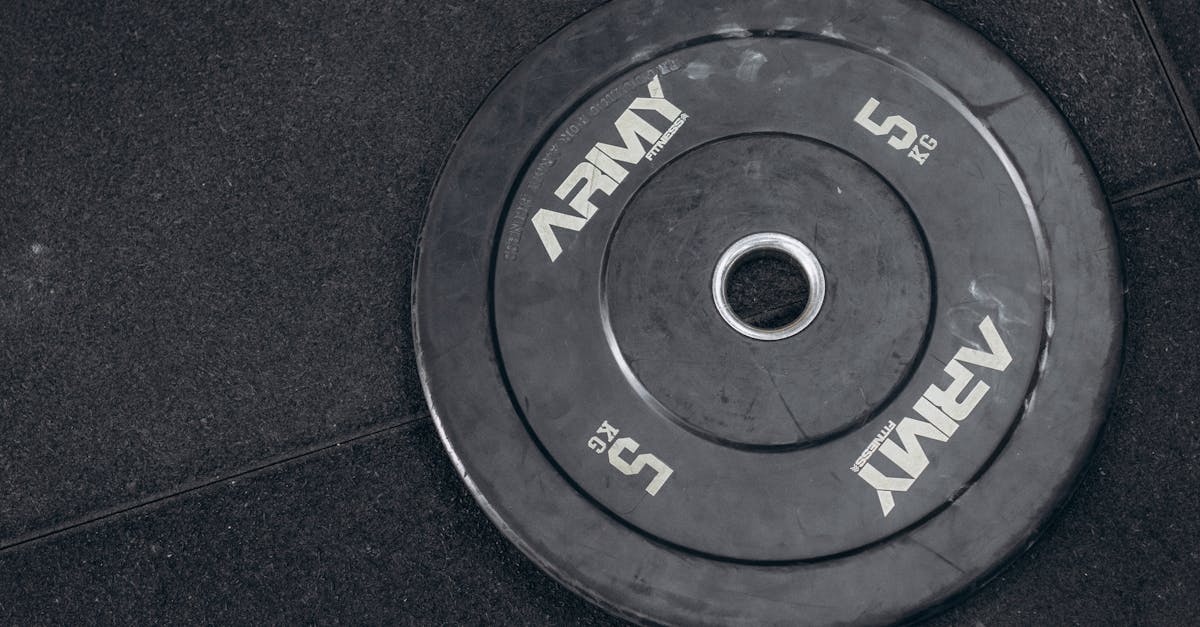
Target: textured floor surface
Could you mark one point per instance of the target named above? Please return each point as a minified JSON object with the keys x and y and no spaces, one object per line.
{"x":209,"y":410}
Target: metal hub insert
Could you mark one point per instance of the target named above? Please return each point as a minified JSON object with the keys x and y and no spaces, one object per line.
{"x":744,"y":249}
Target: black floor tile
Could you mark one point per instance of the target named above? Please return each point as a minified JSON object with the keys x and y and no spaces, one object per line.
{"x":1176,"y":24}
{"x":1096,"y":62}
{"x":207,"y":220}
{"x":377,"y":532}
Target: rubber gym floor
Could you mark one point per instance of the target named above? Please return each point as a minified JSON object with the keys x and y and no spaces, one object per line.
{"x":209,"y":407}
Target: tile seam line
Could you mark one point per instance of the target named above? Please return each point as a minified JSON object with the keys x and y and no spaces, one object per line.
{"x":1166,"y":63}
{"x":103,"y":515}
{"x":1117,"y":199}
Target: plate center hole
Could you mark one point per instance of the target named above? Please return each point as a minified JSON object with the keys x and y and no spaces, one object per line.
{"x":767,"y":289}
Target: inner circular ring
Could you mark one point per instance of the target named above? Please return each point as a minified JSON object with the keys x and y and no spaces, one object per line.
{"x":787,"y":245}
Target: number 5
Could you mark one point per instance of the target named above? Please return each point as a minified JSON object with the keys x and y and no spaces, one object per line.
{"x":641,"y":461}
{"x":891,"y":123}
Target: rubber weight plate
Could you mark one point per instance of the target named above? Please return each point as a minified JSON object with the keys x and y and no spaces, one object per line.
{"x":941,"y":382}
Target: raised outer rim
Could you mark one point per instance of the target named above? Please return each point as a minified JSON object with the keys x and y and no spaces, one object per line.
{"x":991,"y":522}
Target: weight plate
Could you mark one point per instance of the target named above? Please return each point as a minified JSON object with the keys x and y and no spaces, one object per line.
{"x":892,"y":446}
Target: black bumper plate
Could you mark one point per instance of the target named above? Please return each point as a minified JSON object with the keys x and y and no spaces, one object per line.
{"x":868,"y":467}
